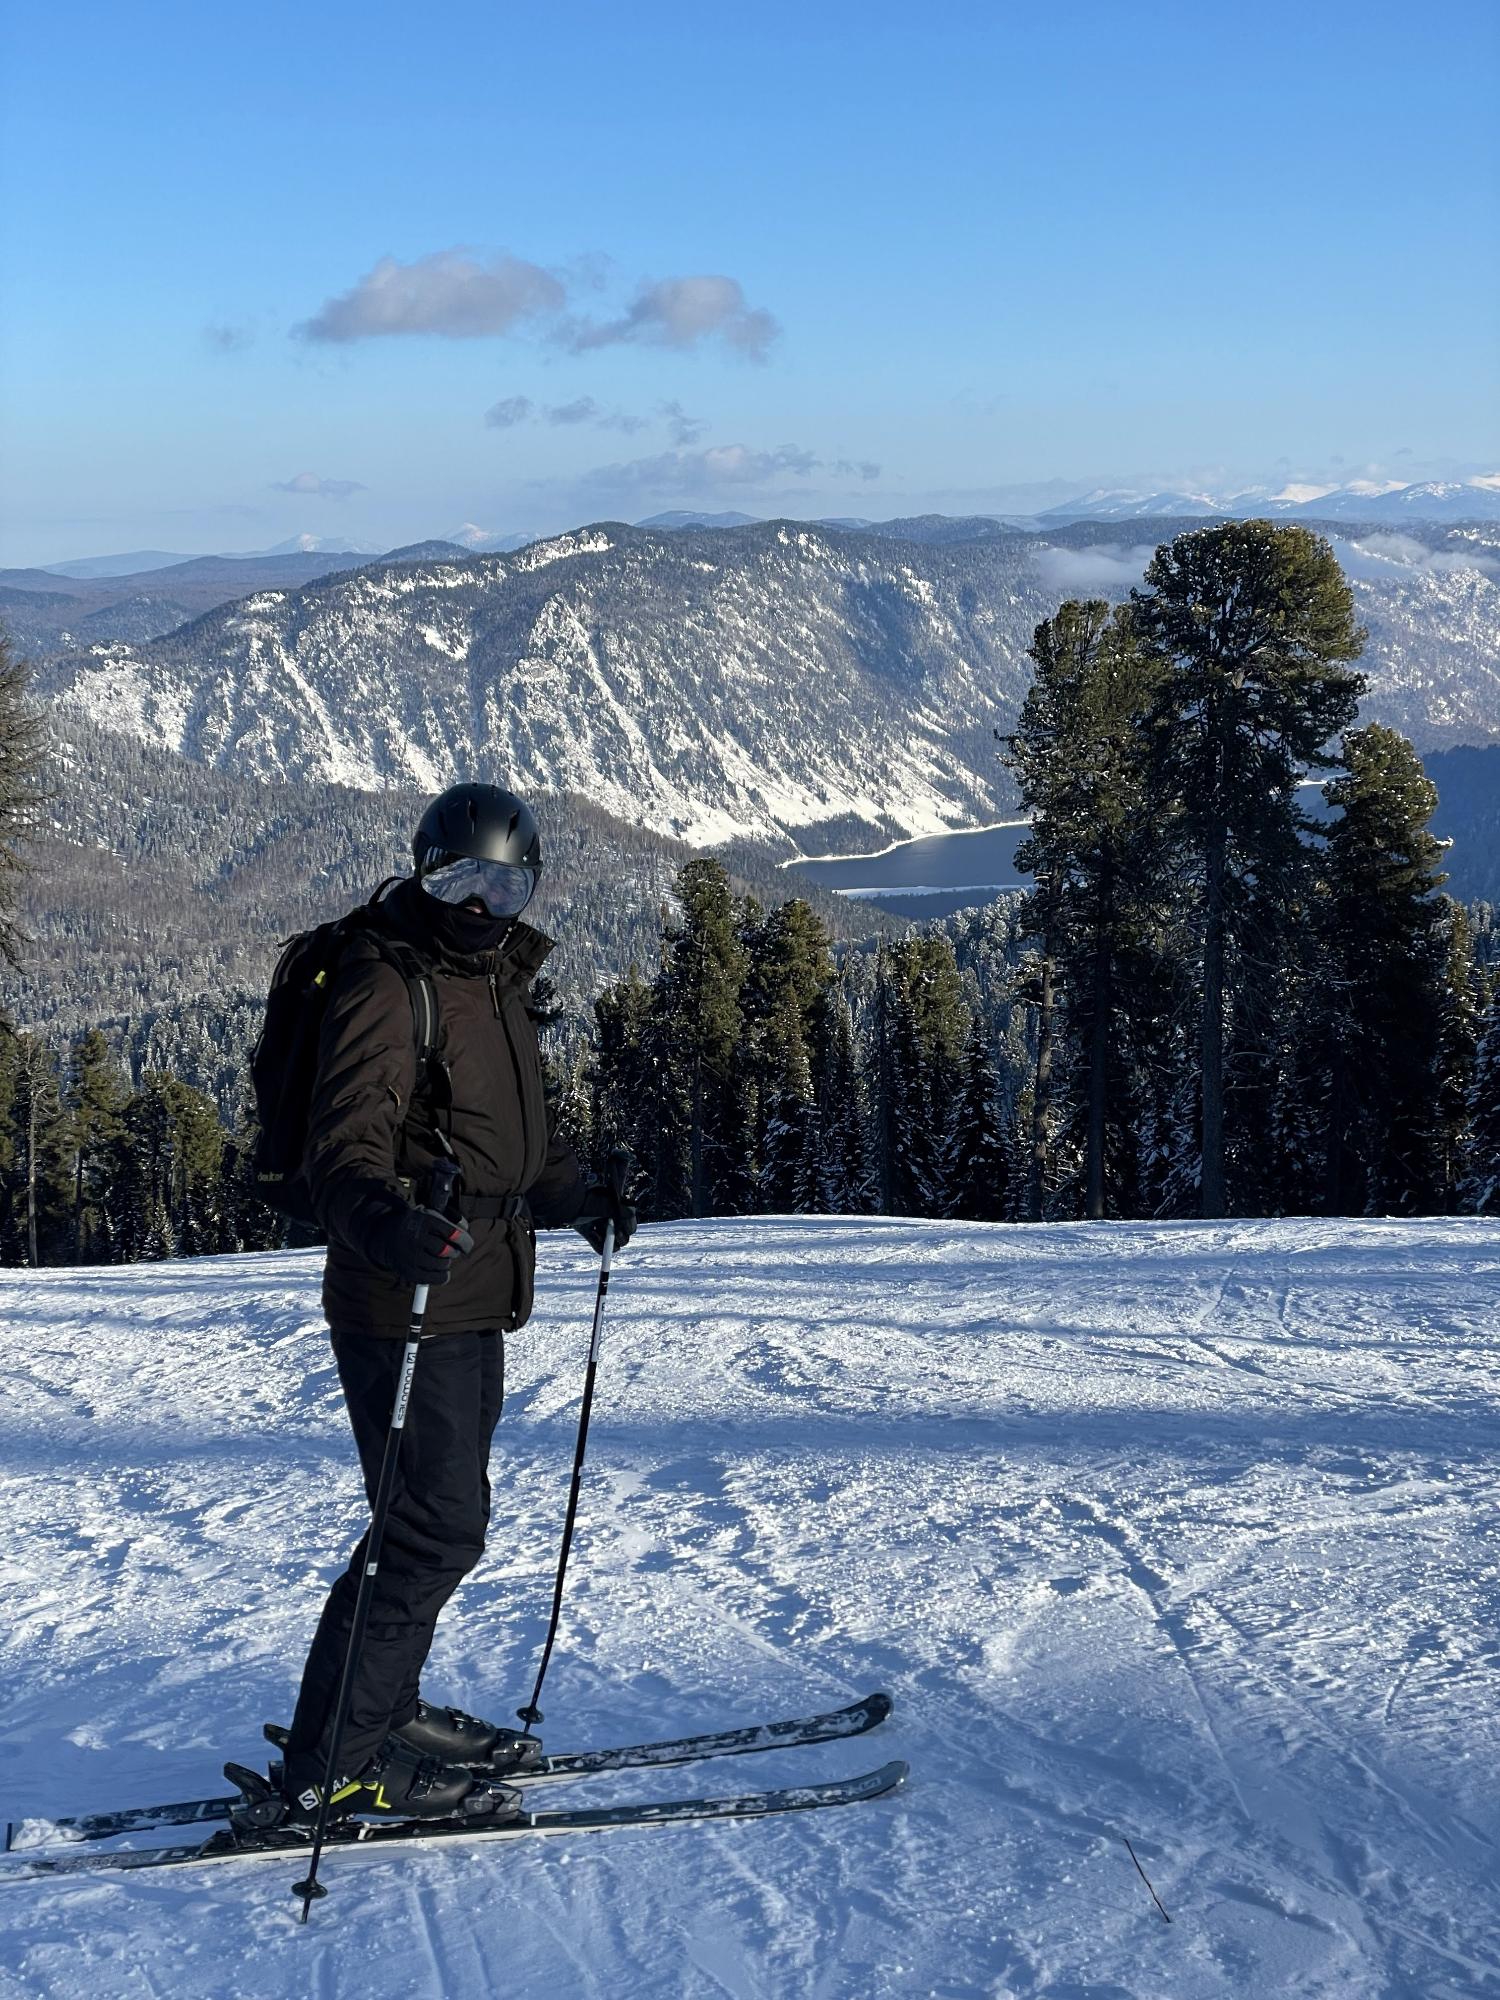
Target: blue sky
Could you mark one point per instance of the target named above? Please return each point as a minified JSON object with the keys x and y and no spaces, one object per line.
{"x":270,"y":269}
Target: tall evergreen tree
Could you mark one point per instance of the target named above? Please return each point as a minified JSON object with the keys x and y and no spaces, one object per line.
{"x":1462,"y":998}
{"x":1080,"y":756}
{"x":36,"y":1200}
{"x":1254,"y":626}
{"x":197,"y":1165}
{"x":11,"y":1232}
{"x":167,"y":1173}
{"x":1386,"y":958}
{"x":622,"y":1110}
{"x":845,"y":1183}
{"x":94,"y":1099}
{"x":926,"y":1032}
{"x":1481,"y":1192}
{"x":979,"y":1170}
{"x":692,"y":1042}
{"x":789,"y":970}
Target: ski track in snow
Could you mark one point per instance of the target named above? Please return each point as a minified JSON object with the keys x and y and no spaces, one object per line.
{"x":1183,"y":1532}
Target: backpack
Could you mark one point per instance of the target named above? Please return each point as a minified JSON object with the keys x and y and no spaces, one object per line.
{"x":284,"y":1065}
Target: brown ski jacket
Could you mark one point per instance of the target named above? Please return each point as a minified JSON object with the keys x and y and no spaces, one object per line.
{"x":372,"y":1133}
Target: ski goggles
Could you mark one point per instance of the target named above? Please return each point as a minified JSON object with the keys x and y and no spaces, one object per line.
{"x":503,"y":887}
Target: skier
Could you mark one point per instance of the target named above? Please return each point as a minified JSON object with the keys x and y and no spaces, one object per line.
{"x":375,"y":1129}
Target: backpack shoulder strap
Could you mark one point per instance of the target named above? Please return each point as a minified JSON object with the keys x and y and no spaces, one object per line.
{"x":434,"y":1077}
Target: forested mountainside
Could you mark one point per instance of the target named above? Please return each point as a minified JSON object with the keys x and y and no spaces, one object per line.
{"x":834,"y":687}
{"x":45,"y":611}
{"x":160,"y":889}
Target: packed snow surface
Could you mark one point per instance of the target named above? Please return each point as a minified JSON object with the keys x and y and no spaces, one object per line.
{"x":1182,"y":1534}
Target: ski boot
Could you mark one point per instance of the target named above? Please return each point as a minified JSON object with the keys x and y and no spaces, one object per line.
{"x":398,"y":1782}
{"x":463,"y":1739}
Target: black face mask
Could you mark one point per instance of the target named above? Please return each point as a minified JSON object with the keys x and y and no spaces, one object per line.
{"x":463,"y":932}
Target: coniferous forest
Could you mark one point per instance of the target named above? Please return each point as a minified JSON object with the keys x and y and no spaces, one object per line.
{"x":1212,"y":1004}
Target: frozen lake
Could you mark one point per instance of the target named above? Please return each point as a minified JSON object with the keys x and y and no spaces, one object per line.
{"x":931,"y":876}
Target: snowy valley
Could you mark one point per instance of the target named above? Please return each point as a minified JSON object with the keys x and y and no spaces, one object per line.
{"x":1182,"y":1533}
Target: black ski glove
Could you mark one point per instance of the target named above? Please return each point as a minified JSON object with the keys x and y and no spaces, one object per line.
{"x":421,"y":1246}
{"x":604,"y":1203}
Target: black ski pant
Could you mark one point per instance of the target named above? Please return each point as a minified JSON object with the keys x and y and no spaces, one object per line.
{"x":434,"y":1533}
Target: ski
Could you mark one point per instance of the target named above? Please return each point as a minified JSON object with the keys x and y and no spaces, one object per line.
{"x":228,"y":1845}
{"x":855,"y":1720}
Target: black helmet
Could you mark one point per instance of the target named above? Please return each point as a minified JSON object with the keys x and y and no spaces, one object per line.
{"x":480,"y":845}
{"x":484,"y":822}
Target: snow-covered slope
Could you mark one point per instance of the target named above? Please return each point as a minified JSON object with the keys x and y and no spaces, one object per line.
{"x":697,"y":683}
{"x":1186,"y":1534}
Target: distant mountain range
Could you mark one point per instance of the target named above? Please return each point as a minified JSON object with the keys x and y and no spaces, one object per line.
{"x":1380,"y":502}
{"x":823,"y":688}
{"x":43,"y":609}
{"x":1377,"y":502}
{"x":87,"y":568}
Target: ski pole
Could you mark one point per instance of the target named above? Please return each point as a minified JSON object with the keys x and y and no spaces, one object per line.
{"x":619,"y":1167}
{"x":439,"y":1194}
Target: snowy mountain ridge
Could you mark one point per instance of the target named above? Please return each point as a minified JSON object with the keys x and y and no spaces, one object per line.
{"x":1372,"y":500}
{"x":777,"y":680}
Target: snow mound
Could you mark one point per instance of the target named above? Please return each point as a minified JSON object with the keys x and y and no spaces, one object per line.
{"x":1186,"y":1534}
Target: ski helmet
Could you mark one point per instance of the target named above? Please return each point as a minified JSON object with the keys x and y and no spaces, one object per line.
{"x":481,"y":842}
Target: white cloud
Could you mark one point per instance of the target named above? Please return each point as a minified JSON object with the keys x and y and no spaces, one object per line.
{"x":309,"y":483}
{"x":1412,"y":554}
{"x":450,"y":293}
{"x":1105,"y":566}
{"x":682,"y":312}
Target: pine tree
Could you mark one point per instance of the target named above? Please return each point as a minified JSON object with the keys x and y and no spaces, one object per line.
{"x":845,"y":1178}
{"x":1462,"y":999}
{"x":1080,"y":754}
{"x":691,"y":1042}
{"x":166,"y":1173}
{"x":925,"y":1036}
{"x":621,"y":1104}
{"x":1253,"y":623}
{"x":197,"y":1165}
{"x":789,"y":970}
{"x":35,"y":1195}
{"x":1386,"y":961}
{"x":1481,"y":1191}
{"x":11,"y":1231}
{"x":979,"y":1170}
{"x":94,"y":1099}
